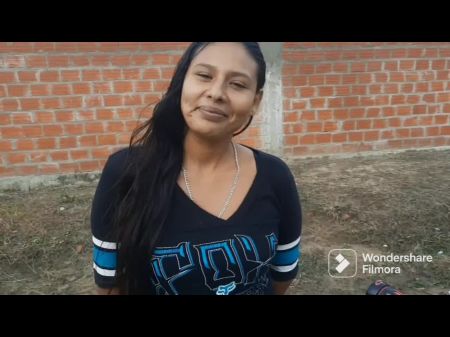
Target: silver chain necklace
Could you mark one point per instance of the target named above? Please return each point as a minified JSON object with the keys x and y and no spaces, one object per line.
{"x":233,"y":187}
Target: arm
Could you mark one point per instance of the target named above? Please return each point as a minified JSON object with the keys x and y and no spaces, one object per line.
{"x":105,"y":246}
{"x":108,"y":291}
{"x":285,"y":264}
{"x":280,"y":288}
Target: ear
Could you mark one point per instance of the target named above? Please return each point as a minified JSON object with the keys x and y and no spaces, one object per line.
{"x":257,"y":102}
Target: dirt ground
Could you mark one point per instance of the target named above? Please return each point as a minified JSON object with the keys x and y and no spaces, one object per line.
{"x":390,"y":203}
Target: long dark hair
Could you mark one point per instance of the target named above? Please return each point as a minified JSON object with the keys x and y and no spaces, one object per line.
{"x":153,"y":165}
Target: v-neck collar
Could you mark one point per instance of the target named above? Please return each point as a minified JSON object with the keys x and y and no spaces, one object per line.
{"x":245,"y":202}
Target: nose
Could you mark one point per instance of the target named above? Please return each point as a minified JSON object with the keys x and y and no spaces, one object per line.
{"x":216,"y":91}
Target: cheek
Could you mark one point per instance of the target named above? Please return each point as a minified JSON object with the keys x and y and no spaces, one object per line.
{"x":188,"y":98}
{"x":243,"y":107}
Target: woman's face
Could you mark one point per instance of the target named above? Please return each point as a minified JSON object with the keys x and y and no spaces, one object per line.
{"x":219,"y":90}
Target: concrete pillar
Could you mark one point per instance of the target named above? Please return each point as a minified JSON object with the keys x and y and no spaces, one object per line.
{"x":272,"y":104}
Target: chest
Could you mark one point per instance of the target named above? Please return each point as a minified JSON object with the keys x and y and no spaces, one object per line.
{"x":223,"y":192}
{"x":222,"y":261}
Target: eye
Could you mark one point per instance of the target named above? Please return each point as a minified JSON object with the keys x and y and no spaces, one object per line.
{"x":238,"y":85}
{"x":205,"y":76}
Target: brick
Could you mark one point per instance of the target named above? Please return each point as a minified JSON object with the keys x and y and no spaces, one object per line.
{"x":339,"y":137}
{"x":371,"y":136}
{"x":355,"y":136}
{"x":291,"y":140}
{"x":120,"y":60}
{"x":19,"y":90}
{"x":81,"y":88}
{"x":325,"y":115}
{"x":340,"y":114}
{"x":308,"y":115}
{"x":91,"y":75}
{"x":21,"y":118}
{"x":70,"y":76}
{"x":59,"y":155}
{"x":132,"y":100}
{"x":314,"y":127}
{"x":61,"y":89}
{"x":323,"y":138}
{"x":80,"y":61}
{"x":111,"y":74}
{"x":131,"y":74}
{"x":5,"y":119}
{"x":7,"y":77}
{"x":123,"y":87}
{"x":32,"y":131}
{"x":417,"y":132}
{"x":67,"y":142}
{"x":9,"y":104}
{"x":105,"y":114}
{"x":151,"y":74}
{"x":107,"y":139}
{"x":100,"y":61}
{"x":58,"y":61}
{"x":113,"y":100}
{"x":79,"y":154}
{"x":64,"y":116}
{"x":49,"y":76}
{"x":16,"y":158}
{"x":72,"y":102}
{"x":51,"y":103}
{"x":89,"y":166}
{"x":5,"y":145}
{"x":27,"y":76}
{"x":52,"y":130}
{"x":40,"y":90}
{"x":307,"y":139}
{"x":46,"y":143}
{"x":24,"y":145}
{"x":160,"y":59}
{"x":115,"y":127}
{"x":38,"y":157}
{"x":73,"y":129}
{"x":94,"y":127}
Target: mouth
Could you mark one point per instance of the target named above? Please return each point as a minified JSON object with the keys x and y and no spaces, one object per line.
{"x":212,"y":110}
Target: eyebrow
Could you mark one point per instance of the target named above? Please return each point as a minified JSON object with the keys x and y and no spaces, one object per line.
{"x":232,"y":73}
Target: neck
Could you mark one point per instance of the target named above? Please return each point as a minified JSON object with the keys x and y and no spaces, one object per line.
{"x":206,"y":155}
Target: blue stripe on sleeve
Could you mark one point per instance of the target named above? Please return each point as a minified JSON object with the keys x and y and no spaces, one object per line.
{"x":105,"y":259}
{"x":287,"y":257}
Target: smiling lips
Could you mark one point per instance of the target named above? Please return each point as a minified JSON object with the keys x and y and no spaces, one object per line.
{"x":213,"y":110}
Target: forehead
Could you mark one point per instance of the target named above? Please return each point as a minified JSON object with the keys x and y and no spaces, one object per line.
{"x":227,"y":56}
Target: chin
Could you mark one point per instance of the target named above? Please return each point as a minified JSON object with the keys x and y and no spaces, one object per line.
{"x":210,"y":133}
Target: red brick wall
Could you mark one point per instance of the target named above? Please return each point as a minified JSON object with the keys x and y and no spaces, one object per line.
{"x":67,"y":106}
{"x":64,"y":107}
{"x":352,"y":97}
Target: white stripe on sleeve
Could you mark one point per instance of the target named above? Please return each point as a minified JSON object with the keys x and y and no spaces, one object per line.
{"x":104,"y":244}
{"x":285,"y":269}
{"x":104,"y":272}
{"x":289,"y":245}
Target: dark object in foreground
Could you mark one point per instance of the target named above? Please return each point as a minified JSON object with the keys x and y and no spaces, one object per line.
{"x":380,"y":288}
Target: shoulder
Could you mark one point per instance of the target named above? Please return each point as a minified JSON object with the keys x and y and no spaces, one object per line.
{"x":273,"y":170}
{"x":117,"y":164}
{"x":273,"y":166}
{"x":118,"y":160}
{"x":118,"y":157}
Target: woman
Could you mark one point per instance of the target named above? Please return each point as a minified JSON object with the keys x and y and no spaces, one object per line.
{"x":185,"y":210}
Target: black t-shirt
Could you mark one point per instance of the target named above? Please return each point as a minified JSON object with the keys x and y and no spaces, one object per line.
{"x":199,"y":253}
